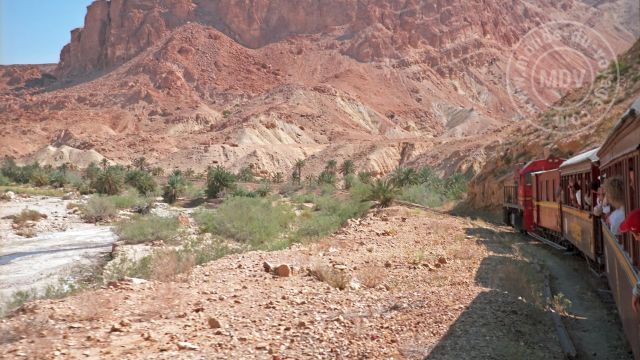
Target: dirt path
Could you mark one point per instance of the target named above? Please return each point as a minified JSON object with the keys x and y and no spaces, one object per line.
{"x":419,"y":285}
{"x":593,"y":322}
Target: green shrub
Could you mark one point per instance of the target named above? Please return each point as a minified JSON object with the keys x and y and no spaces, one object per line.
{"x":240,"y":192}
{"x":218,"y":180}
{"x":383,"y":191}
{"x":254,"y":221}
{"x":327,"y":177}
{"x":99,"y":208}
{"x":10,"y":169}
{"x":264,"y":190}
{"x":404,"y":177}
{"x":142,"y":181}
{"x":58,"y":179}
{"x":91,"y":172}
{"x":37,"y":176}
{"x":175,"y":187}
{"x":4,"y":180}
{"x":147,"y":228}
{"x":365,"y":177}
{"x":423,"y":195}
{"x":329,"y":214}
{"x":246,"y":174}
{"x":110,"y":181}
{"x":127,"y":200}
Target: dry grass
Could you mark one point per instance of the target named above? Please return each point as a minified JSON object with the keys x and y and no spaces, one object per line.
{"x":91,"y":307}
{"x":338,"y":279}
{"x":372,"y":276}
{"x":28,"y":215}
{"x":169,"y":265}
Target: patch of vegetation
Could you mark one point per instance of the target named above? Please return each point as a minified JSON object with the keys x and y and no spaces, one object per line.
{"x":143,"y":229}
{"x":26,"y":190}
{"x":175,"y":187}
{"x":253,"y":221}
{"x":99,"y":208}
{"x":110,"y":181}
{"x":141,"y":181}
{"x":383,"y":191}
{"x":336,"y":278}
{"x":28,"y":215}
{"x":329,"y":214}
{"x":218,"y":180}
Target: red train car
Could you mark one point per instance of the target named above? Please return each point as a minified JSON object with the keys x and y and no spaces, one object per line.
{"x":579,"y":226}
{"x":518,"y":205}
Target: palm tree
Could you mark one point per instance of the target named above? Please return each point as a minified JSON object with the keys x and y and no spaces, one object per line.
{"x":105,"y":163}
{"x":176,"y":185}
{"x":297,"y":171}
{"x":383,"y":191}
{"x":332,"y":166}
{"x":140,"y":163}
{"x":404,"y":176}
{"x":347,"y":167}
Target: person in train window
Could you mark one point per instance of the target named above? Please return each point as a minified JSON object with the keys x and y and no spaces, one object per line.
{"x":614,"y":189}
{"x":588,"y":198}
{"x":578,"y":197}
{"x":632,"y":224}
{"x":572,"y":196}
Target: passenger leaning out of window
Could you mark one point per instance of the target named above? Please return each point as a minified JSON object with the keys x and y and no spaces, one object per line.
{"x":614,"y":188}
{"x":632,"y":225}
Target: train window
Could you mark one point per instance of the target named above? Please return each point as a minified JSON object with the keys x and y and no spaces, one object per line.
{"x":546,"y":190}
{"x":527,"y":178}
{"x":553,"y":188}
{"x":632,"y":185}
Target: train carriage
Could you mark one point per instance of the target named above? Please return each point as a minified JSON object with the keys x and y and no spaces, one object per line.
{"x":518,"y":206}
{"x":546,"y":214}
{"x":579,"y":226}
{"x":620,"y":157}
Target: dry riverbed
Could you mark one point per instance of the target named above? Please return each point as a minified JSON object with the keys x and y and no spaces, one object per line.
{"x":62,"y":243}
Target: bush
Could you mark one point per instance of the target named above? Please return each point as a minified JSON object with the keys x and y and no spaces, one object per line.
{"x":246,"y":174}
{"x":28,"y":215}
{"x":91,"y":172}
{"x":110,"y":181}
{"x":99,"y":208}
{"x":37,"y":176}
{"x":127,"y":200}
{"x":4,"y":180}
{"x":142,"y":181}
{"x":254,"y":221}
{"x":422,"y":195}
{"x":404,"y":177}
{"x":219,"y":179}
{"x":147,"y":228}
{"x":240,"y":192}
{"x":176,"y":186}
{"x":327,"y":177}
{"x":58,"y":179}
{"x":365,"y":177}
{"x":383,"y":191}
{"x":329,"y":214}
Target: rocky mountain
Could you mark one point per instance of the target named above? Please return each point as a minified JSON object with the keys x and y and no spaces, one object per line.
{"x":534,"y":140}
{"x":191,"y":83}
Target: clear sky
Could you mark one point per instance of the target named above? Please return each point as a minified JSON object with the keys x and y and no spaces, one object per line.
{"x":34,"y":31}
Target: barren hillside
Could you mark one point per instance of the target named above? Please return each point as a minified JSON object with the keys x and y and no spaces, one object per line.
{"x":190,"y":83}
{"x":544,"y":135}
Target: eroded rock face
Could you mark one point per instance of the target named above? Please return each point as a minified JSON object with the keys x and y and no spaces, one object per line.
{"x":117,"y":30}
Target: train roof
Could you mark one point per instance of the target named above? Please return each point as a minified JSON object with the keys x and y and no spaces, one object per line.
{"x":624,"y":138}
{"x":581,"y":162}
{"x":541,"y":165}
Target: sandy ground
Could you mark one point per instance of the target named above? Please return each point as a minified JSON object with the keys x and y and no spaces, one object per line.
{"x":63,"y":242}
{"x":439,"y":287}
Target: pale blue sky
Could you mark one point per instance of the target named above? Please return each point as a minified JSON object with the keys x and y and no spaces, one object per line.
{"x":34,"y":31}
